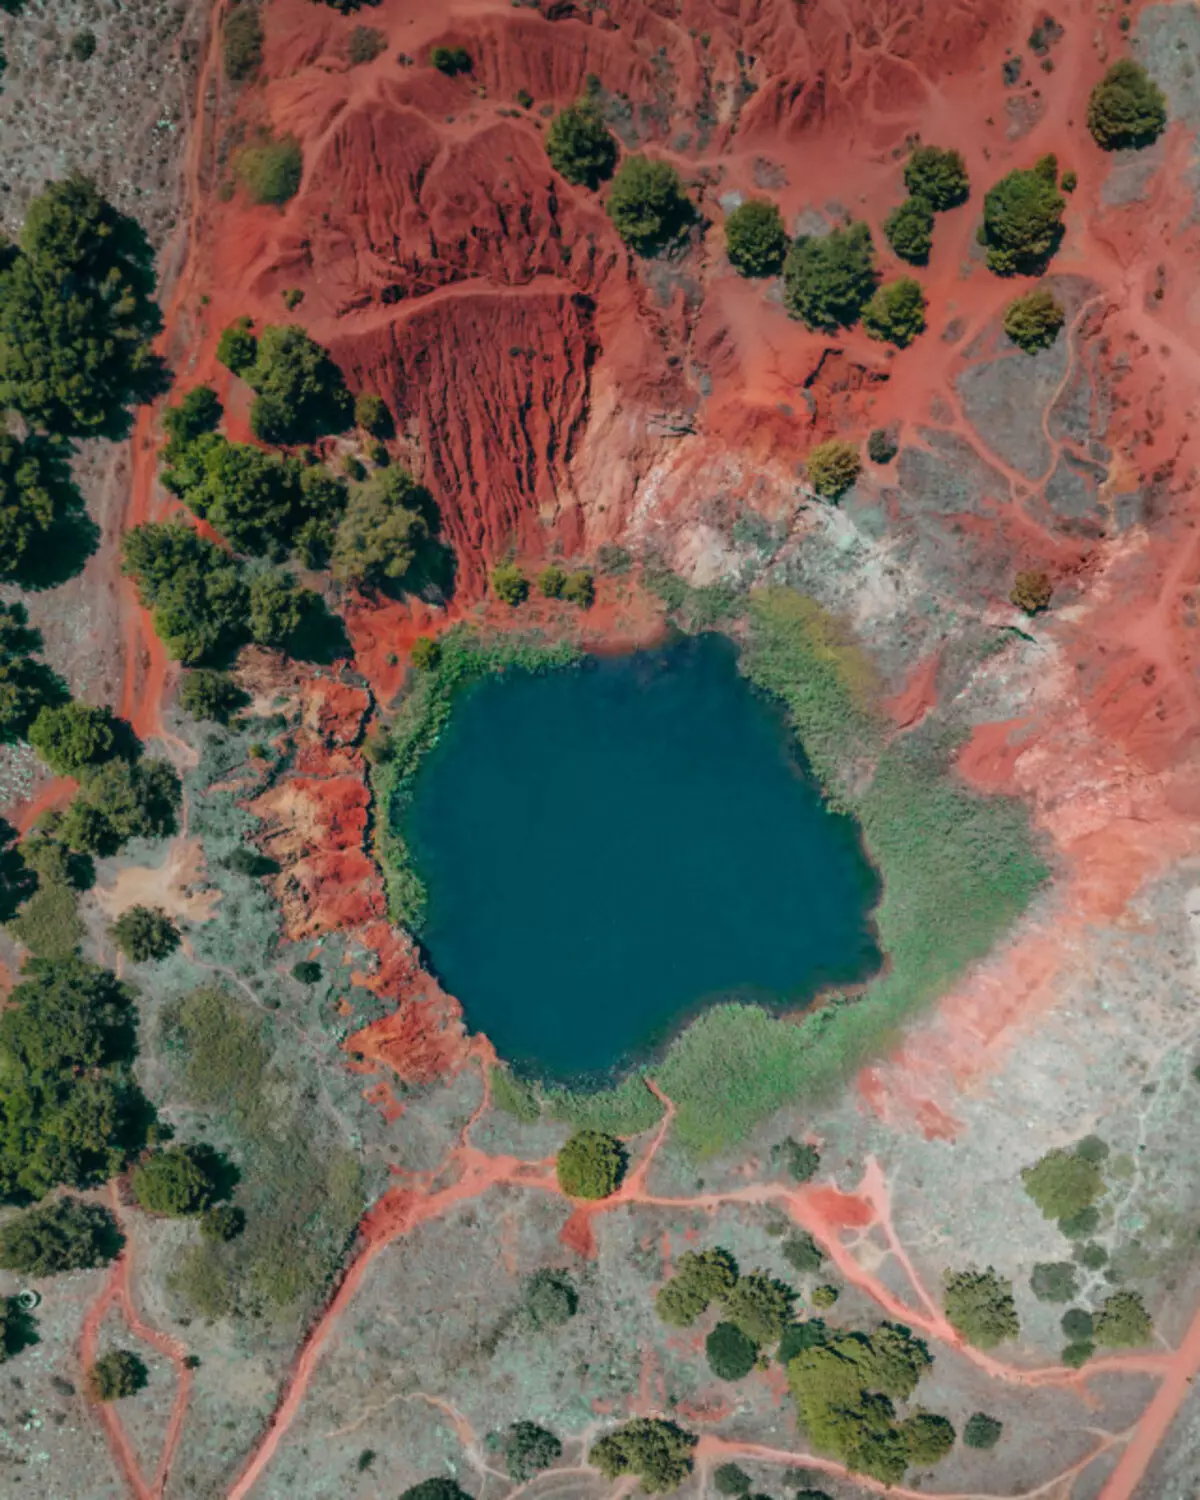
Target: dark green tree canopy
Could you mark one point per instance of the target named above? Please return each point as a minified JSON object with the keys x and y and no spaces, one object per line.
{"x":828,"y":279}
{"x":372,"y":415}
{"x":207,"y":694}
{"x":701,"y":1277}
{"x":26,"y":684}
{"x":1127,"y":108}
{"x":982,"y":1431}
{"x":40,"y":509}
{"x":755,"y":239}
{"x":580,"y":146}
{"x":144,"y":933}
{"x":116,"y":1375}
{"x":528,"y":1449}
{"x":73,"y":736}
{"x":237,"y":348}
{"x":658,"y":1452}
{"x":548,"y":1299}
{"x":199,"y":412}
{"x":647,"y":204}
{"x":176,"y":1181}
{"x":909,"y":230}
{"x":938,"y":176}
{"x":387,"y":534}
{"x":278,"y":607}
{"x":730,"y":1352}
{"x":65,"y":1234}
{"x":300,"y":394}
{"x":980,"y":1305}
{"x":122,"y":800}
{"x":195,"y":590}
{"x":77,"y":315}
{"x":1022,"y":219}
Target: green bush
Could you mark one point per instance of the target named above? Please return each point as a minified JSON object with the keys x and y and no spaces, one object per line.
{"x":49,"y":924}
{"x":828,"y":280}
{"x":1093,"y":1148}
{"x":222,"y":1223}
{"x":365,"y":45}
{"x":980,"y":1305}
{"x":1033,"y":321}
{"x":1126,"y":108}
{"x":1076,"y":1355}
{"x":74,"y":736}
{"x":909,"y":230}
{"x":40,"y":509}
{"x":729,"y":1479}
{"x":372,"y":415}
{"x":824,"y":1297}
{"x":77,"y":315}
{"x":271,"y":172}
{"x":177,"y":1181}
{"x":802,"y":1251}
{"x":425,"y":654}
{"x":300,"y":395}
{"x":206,"y":694}
{"x":928,"y":1437}
{"x":731,"y":1353}
{"x":144,"y":933}
{"x":982,"y":1431}
{"x":1022,"y":220}
{"x":938,"y":176}
{"x":801,"y":1161}
{"x":896,"y":313}
{"x":1063,"y":1183}
{"x":1078,"y":1324}
{"x":760,"y":1306}
{"x":387,"y":534}
{"x":647,"y":204}
{"x":237,"y":349}
{"x":548,"y":1299}
{"x":26,"y":685}
{"x":509,"y":584}
{"x":800,"y":1336}
{"x":591,"y":1165}
{"x":659,"y":1453}
{"x":755,"y":239}
{"x":278,"y":608}
{"x":256,"y":500}
{"x":451,"y":60}
{"x":439,"y":1488}
{"x":119,"y":801}
{"x":580,"y":146}
{"x":65,"y":1234}
{"x":1091,"y":1256}
{"x":882,"y":446}
{"x":580,"y":589}
{"x":833,"y":466}
{"x":552,"y":581}
{"x":83,"y":45}
{"x":242,"y":42}
{"x":116,"y":1375}
{"x":701,"y":1277}
{"x":1054,"y":1281}
{"x":528,"y":1449}
{"x":1079,"y":1226}
{"x":1123,"y":1321}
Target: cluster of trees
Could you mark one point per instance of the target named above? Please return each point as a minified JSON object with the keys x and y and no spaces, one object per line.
{"x":299,"y":391}
{"x":591,"y":1165}
{"x":1065,"y":1185}
{"x":756,"y":1310}
{"x":659,"y":1453}
{"x":845,"y":1391}
{"x":936,"y":180}
{"x":65,"y":1234}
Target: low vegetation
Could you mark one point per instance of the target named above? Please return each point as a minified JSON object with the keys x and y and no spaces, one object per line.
{"x":1033,"y":321}
{"x":656,"y":1452}
{"x":647,"y":204}
{"x":829,"y":279}
{"x":1126,"y":108}
{"x":580,"y":146}
{"x":591,"y":1165}
{"x":755,"y":239}
{"x":1022,"y":220}
{"x":1054,"y":1281}
{"x":980,"y":1305}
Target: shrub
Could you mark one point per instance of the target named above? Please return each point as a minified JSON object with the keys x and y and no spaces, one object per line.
{"x":833,"y":467}
{"x":77,"y":315}
{"x":1093,"y":1148}
{"x":1091,"y":1256}
{"x":509,"y":584}
{"x":980,"y":1305}
{"x":824,"y":1296}
{"x":658,"y":1452}
{"x":927,"y":1436}
{"x":73,"y":736}
{"x":896,"y":313}
{"x":1076,"y":1355}
{"x":1123,"y":1321}
{"x":580,"y":146}
{"x":116,"y":1375}
{"x":365,"y":45}
{"x":242,"y":43}
{"x":1079,"y":1226}
{"x":386,"y":533}
{"x":802,"y":1251}
{"x":451,"y":60}
{"x":271,"y":172}
{"x":176,"y":1181}
{"x":982,"y":1431}
{"x":828,"y":280}
{"x":909,"y":230}
{"x":1078,"y":1324}
{"x":143,"y":933}
{"x":206,"y":694}
{"x":237,"y":349}
{"x":591,"y":1165}
{"x":300,"y":394}
{"x":760,"y":1306}
{"x":1054,"y":1281}
{"x":731,"y":1353}
{"x":548,"y":1299}
{"x":755,"y":239}
{"x":552,"y":580}
{"x":701,"y":1277}
{"x":1126,"y":108}
{"x":425,"y":654}
{"x":1063,"y":1183}
{"x":307,"y":971}
{"x":83,"y":45}
{"x":1070,"y":181}
{"x":65,"y":1234}
{"x":729,"y":1479}
{"x":372,"y":415}
{"x":1032,"y":592}
{"x":222,"y":1223}
{"x":881,"y":446}
{"x":38,"y":503}
{"x":580,"y":589}
{"x":528,"y":1449}
{"x":938,"y":176}
{"x":801,"y":1161}
{"x":1033,"y":321}
{"x":1022,"y":220}
{"x":647,"y":204}
{"x":49,"y":924}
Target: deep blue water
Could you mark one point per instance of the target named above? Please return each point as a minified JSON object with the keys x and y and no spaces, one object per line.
{"x":608,"y":849}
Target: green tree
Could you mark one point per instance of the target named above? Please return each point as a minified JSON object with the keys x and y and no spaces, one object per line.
{"x":1054,"y":1281}
{"x":980,"y":1305}
{"x":116,"y":1375}
{"x":801,"y":1161}
{"x":271,"y":171}
{"x":385,"y":532}
{"x":825,"y":1296}
{"x":1077,"y":1323}
{"x":451,"y":60}
{"x":731,"y":1353}
{"x":1022,"y":220}
{"x":237,"y":349}
{"x":580,"y":146}
{"x":701,"y":1277}
{"x":658,"y":1452}
{"x":221,"y":1224}
{"x":909,"y":230}
{"x":1126,"y":108}
{"x":39,"y":503}
{"x":1079,"y":1226}
{"x":1063,"y":1183}
{"x":278,"y":608}
{"x":647,"y":204}
{"x":177,"y":1181}
{"x":881,"y":446}
{"x":801,"y":1251}
{"x":372,"y":415}
{"x":828,"y":279}
{"x":755,"y":239}
{"x":1123,"y":1321}
{"x":528,"y":1449}
{"x":1033,"y":321}
{"x":144,"y":933}
{"x":74,"y":736}
{"x":896,"y":313}
{"x":425,"y":654}
{"x":548,"y":1299}
{"x":938,"y":176}
{"x":509,"y":584}
{"x":729,"y":1479}
{"x":1076,"y":1355}
{"x":206,"y":694}
{"x":833,"y":466}
{"x":552,"y":581}
{"x":591,"y":1165}
{"x":242,"y":42}
{"x":119,"y":801}
{"x":300,"y":393}
{"x":194,"y":589}
{"x":65,"y":1234}
{"x":77,"y":315}
{"x":929,"y":1437}
{"x":254,"y":499}
{"x":982,"y":1431}
{"x":197,"y":413}
{"x":580,"y":589}
{"x":760,"y":1306}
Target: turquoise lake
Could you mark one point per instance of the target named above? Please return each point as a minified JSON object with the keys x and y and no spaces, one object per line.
{"x":608,"y":849}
